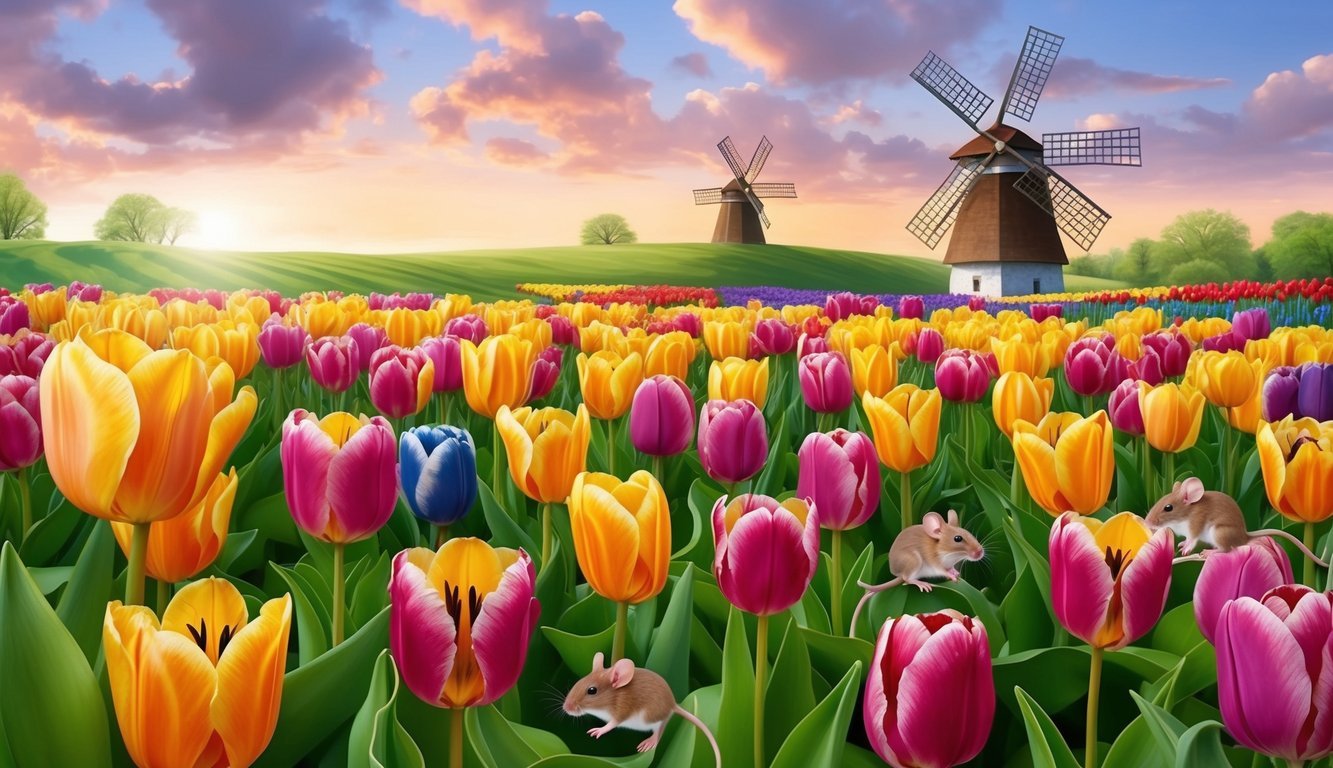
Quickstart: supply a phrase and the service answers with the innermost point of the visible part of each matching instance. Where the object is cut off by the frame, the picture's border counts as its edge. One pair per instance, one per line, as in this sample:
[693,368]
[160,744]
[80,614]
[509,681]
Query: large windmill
[740,214]
[1003,198]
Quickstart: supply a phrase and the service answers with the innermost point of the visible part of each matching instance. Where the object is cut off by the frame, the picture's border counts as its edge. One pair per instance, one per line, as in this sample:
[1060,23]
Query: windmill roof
[982,146]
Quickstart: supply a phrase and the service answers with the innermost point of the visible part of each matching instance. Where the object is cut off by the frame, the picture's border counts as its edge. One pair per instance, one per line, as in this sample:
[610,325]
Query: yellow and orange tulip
[607,382]
[622,534]
[179,548]
[737,379]
[906,426]
[727,339]
[1227,379]
[1296,456]
[875,369]
[497,373]
[1019,396]
[547,448]
[1067,460]
[670,354]
[1172,415]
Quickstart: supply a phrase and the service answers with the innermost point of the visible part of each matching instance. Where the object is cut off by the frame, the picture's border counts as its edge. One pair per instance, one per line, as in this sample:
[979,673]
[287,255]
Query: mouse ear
[953,517]
[932,522]
[621,673]
[1191,490]
[597,661]
[1176,488]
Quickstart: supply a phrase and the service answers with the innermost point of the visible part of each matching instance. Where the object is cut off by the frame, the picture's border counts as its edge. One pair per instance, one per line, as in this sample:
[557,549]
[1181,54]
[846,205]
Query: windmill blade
[774,189]
[958,94]
[757,161]
[707,196]
[1030,73]
[732,157]
[1077,216]
[941,208]
[758,207]
[1117,146]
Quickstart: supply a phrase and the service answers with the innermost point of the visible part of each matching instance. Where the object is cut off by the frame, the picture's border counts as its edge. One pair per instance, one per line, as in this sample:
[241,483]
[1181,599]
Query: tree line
[135,218]
[1212,246]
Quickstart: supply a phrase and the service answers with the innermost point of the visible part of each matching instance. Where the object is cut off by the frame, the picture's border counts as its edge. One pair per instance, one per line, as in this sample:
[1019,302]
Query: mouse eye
[958,539]
[1167,508]
[592,690]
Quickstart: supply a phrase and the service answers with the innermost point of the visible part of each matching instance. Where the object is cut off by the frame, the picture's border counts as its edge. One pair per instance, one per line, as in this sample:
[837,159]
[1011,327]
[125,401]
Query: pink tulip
[929,345]
[930,695]
[546,372]
[332,362]
[369,340]
[20,423]
[1173,347]
[1275,672]
[1147,368]
[1093,366]
[446,354]
[765,551]
[772,336]
[1224,342]
[25,354]
[733,440]
[826,382]
[912,307]
[470,327]
[1246,571]
[1040,312]
[81,291]
[1108,588]
[976,303]
[400,380]
[840,306]
[13,315]
[689,323]
[1123,408]
[661,416]
[563,331]
[1251,324]
[810,345]
[282,345]
[339,474]
[963,376]
[840,475]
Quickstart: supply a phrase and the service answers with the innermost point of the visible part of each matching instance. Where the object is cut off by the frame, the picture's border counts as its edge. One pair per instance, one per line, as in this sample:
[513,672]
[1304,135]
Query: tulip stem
[1088,405]
[622,627]
[835,583]
[138,554]
[1148,480]
[1226,456]
[659,470]
[1094,697]
[441,535]
[444,408]
[1016,486]
[546,534]
[495,458]
[760,672]
[1308,569]
[905,500]
[456,737]
[611,446]
[1168,471]
[163,596]
[1295,764]
[338,589]
[25,503]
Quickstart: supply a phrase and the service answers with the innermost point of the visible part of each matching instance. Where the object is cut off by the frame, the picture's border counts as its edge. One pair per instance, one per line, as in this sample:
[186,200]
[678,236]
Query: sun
[216,229]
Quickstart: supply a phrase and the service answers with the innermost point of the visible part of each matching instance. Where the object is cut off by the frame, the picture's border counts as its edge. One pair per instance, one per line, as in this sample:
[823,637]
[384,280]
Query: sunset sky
[399,125]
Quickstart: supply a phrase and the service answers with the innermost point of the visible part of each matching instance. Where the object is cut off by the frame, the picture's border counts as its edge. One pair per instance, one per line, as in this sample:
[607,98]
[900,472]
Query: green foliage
[1138,266]
[22,215]
[1302,245]
[139,218]
[1199,271]
[1209,236]
[607,229]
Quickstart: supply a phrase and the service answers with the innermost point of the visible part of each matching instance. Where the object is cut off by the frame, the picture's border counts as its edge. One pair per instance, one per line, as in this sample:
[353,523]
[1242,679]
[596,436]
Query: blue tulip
[437,471]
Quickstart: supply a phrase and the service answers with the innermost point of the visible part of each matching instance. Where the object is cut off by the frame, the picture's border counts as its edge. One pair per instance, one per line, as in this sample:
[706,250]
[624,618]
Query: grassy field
[485,275]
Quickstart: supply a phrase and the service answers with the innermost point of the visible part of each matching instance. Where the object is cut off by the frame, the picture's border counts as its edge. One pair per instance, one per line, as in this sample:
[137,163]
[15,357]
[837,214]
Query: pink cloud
[1073,77]
[857,112]
[835,40]
[694,63]
[1290,105]
[517,152]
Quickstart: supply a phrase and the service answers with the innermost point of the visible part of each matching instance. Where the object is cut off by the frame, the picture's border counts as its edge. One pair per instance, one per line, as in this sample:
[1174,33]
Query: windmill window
[976,283]
[1036,285]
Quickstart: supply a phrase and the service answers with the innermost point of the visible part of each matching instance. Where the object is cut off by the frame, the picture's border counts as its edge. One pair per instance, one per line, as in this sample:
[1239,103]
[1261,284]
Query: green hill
[485,275]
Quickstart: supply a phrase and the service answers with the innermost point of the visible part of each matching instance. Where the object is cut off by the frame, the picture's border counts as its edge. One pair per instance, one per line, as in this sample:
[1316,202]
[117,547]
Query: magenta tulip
[369,339]
[24,354]
[1040,312]
[930,695]
[963,376]
[332,362]
[840,476]
[400,380]
[733,440]
[1251,324]
[911,307]
[1274,676]
[13,315]
[1123,408]
[689,323]
[546,372]
[339,474]
[1174,349]
[1224,342]
[840,306]
[766,551]
[282,345]
[1246,571]
[470,327]
[20,423]
[661,416]
[976,303]
[1147,368]
[563,331]
[810,345]
[929,345]
[1093,366]
[446,354]
[826,382]
[772,336]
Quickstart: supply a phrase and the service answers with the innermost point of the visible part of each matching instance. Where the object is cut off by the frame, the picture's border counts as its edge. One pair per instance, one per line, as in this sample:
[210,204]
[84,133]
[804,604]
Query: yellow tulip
[239,346]
[622,534]
[1296,456]
[547,448]
[323,318]
[204,686]
[1246,416]
[906,425]
[607,382]
[1019,396]
[737,379]
[1226,379]
[200,339]
[727,339]
[1067,460]
[45,309]
[670,354]
[875,369]
[179,548]
[536,330]
[1171,416]
[497,373]
[1017,355]
[135,435]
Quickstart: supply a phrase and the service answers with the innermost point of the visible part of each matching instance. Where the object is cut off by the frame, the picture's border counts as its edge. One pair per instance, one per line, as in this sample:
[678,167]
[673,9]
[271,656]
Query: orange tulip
[497,373]
[1067,460]
[179,548]
[1018,396]
[547,448]
[737,379]
[607,382]
[1227,379]
[906,425]
[622,534]
[875,369]
[1296,456]
[1171,416]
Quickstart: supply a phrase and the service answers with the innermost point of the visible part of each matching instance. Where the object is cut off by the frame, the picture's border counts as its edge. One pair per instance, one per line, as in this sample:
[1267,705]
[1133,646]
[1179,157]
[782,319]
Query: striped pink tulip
[20,423]
[930,696]
[826,382]
[447,355]
[766,551]
[840,475]
[339,474]
[401,380]
[332,362]
[1275,672]
[1246,571]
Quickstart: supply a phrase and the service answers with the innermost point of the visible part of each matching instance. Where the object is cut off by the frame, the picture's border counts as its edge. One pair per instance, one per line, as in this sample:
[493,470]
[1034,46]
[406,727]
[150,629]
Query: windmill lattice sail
[741,217]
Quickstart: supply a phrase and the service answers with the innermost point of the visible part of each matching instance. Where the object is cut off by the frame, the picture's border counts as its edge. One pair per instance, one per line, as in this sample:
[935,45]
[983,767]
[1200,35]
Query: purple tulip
[772,336]
[1224,342]
[826,382]
[13,315]
[546,372]
[282,345]
[929,345]
[1124,410]
[369,340]
[840,475]
[911,307]
[733,440]
[1174,349]
[661,417]
[470,327]
[1316,391]
[400,380]
[332,362]
[765,551]
[1281,394]
[447,355]
[563,331]
[963,376]
[1274,685]
[25,354]
[1246,571]
[1251,324]
[20,423]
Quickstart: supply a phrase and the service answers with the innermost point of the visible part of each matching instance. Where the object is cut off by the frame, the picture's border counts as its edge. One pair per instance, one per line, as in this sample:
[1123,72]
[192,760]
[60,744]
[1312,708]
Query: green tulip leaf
[1049,749]
[735,727]
[818,740]
[239,554]
[1201,745]
[52,534]
[50,579]
[669,654]
[832,656]
[312,637]
[377,739]
[1164,727]
[370,594]
[577,650]
[1135,747]
[499,743]
[790,695]
[82,606]
[504,531]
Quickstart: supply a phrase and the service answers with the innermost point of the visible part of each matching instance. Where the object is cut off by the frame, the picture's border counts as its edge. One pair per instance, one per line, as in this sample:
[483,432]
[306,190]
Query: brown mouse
[933,549]
[626,697]
[1210,517]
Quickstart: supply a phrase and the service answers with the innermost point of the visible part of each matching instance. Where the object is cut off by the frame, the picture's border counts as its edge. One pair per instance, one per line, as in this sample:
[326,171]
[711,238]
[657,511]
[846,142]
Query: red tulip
[1246,571]
[766,551]
[840,476]
[826,382]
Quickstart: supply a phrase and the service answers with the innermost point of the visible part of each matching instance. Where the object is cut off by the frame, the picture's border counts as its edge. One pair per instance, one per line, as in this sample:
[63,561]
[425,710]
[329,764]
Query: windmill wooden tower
[738,218]
[1002,198]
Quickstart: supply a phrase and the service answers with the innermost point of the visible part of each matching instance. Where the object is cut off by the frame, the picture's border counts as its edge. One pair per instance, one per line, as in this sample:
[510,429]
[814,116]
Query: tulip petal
[768,561]
[1081,582]
[881,682]
[362,483]
[1144,584]
[1264,697]
[1246,571]
[306,454]
[606,539]
[224,432]
[1037,460]
[207,611]
[503,628]
[422,634]
[957,661]
[1084,459]
[250,676]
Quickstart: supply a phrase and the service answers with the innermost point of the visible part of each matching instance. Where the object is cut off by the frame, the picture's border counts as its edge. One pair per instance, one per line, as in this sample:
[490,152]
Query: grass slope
[485,275]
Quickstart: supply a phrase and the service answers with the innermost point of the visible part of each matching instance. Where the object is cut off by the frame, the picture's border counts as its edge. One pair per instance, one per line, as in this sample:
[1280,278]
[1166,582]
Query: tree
[607,229]
[22,215]
[1302,245]
[1208,236]
[1199,271]
[1138,267]
[132,218]
[176,222]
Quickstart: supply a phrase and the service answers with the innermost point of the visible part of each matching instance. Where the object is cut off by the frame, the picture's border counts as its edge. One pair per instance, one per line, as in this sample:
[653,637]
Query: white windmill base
[1006,278]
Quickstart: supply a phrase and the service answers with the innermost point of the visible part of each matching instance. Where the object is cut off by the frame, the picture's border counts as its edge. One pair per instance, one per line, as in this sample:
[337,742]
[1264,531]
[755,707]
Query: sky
[405,125]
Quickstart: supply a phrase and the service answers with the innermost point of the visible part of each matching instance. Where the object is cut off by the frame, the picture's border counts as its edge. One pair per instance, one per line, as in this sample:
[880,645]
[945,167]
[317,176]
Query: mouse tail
[697,723]
[1289,537]
[870,589]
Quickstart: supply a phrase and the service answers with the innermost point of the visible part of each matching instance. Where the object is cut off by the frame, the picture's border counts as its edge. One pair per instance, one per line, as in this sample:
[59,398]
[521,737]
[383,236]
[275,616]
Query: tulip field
[261,528]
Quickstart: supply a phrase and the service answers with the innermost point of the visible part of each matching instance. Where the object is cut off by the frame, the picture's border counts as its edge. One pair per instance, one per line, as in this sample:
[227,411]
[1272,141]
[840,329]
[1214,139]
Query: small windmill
[1003,198]
[738,219]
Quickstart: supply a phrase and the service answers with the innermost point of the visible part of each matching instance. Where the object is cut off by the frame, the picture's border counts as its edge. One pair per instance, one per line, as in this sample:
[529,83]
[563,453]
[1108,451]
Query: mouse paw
[953,574]
[648,744]
[598,733]
[924,586]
